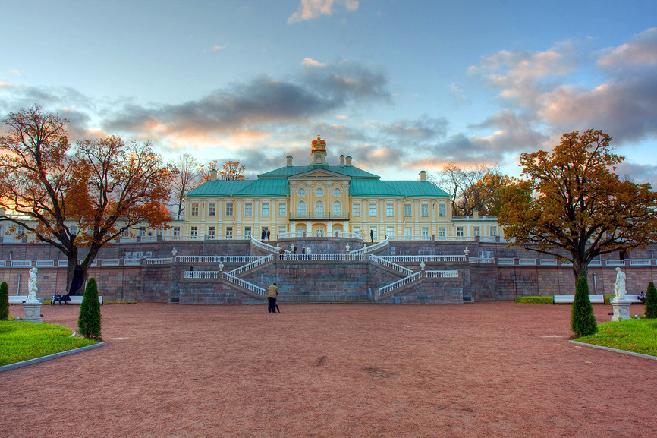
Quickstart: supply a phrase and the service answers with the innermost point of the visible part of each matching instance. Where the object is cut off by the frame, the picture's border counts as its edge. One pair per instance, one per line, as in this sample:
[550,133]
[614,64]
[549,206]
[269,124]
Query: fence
[383,262]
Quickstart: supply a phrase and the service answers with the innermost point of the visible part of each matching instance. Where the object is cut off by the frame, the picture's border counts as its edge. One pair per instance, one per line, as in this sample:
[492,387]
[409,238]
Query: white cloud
[641,51]
[312,9]
[311,62]
[216,48]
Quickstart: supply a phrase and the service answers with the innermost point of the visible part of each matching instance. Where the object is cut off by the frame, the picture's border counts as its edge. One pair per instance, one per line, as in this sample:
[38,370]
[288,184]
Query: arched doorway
[300,230]
[319,230]
[337,230]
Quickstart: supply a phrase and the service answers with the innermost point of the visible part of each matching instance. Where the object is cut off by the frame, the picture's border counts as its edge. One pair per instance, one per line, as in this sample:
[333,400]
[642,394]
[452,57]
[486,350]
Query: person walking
[272,293]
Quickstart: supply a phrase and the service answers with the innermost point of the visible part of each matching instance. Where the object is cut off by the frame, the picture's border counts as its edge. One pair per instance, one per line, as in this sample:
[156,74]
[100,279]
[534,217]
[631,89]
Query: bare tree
[458,182]
[188,174]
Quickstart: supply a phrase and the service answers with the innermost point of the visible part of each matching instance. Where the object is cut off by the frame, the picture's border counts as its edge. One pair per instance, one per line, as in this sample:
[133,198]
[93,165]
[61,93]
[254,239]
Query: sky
[402,86]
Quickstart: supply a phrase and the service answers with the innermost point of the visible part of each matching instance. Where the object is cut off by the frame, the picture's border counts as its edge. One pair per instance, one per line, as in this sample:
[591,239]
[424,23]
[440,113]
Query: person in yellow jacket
[272,293]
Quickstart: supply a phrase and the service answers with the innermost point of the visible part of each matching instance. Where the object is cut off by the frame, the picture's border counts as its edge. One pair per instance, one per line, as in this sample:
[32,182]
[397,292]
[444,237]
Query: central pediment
[319,173]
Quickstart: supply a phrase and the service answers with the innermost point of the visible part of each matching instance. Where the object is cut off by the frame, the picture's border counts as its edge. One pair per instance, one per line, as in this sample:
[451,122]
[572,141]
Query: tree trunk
[72,257]
[77,282]
[580,268]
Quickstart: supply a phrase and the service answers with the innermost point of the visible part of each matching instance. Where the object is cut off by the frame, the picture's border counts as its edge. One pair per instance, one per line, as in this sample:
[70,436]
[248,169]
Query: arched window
[319,191]
[319,209]
[336,192]
[337,208]
[301,209]
[301,192]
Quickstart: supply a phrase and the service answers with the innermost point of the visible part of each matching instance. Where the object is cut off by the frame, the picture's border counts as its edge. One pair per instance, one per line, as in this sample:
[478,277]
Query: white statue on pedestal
[619,287]
[32,287]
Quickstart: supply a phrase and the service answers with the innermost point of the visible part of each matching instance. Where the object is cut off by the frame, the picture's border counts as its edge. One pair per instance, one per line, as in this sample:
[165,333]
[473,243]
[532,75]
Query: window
[390,232]
[176,232]
[282,209]
[211,233]
[193,232]
[425,232]
[372,209]
[442,232]
[425,210]
[355,209]
[195,209]
[142,231]
[247,232]
[475,231]
[229,232]
[301,192]
[229,208]
[319,209]
[212,209]
[442,209]
[301,209]
[390,209]
[357,230]
[459,232]
[265,209]
[408,210]
[248,209]
[493,230]
[282,229]
[337,208]
[319,191]
[408,233]
[336,192]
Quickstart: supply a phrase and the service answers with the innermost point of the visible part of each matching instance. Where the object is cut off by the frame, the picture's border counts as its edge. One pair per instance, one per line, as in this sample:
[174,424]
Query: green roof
[287,171]
[249,187]
[410,189]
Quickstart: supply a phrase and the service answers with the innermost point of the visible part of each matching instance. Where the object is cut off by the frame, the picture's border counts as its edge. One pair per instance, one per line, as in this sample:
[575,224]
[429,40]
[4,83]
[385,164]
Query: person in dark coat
[372,235]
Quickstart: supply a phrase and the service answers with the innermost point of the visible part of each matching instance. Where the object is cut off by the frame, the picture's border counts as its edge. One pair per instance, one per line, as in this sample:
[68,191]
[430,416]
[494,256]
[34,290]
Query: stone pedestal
[32,312]
[621,310]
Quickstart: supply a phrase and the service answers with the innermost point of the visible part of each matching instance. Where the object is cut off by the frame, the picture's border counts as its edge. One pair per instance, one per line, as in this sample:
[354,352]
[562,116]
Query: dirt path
[326,370]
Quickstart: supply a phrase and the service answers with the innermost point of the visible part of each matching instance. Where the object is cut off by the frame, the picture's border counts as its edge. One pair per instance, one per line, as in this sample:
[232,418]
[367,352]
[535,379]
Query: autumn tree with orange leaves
[81,196]
[572,199]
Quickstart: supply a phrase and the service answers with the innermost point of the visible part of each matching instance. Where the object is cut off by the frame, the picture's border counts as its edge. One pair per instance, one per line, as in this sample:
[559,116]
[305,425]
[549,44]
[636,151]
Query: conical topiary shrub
[89,320]
[4,301]
[651,301]
[582,318]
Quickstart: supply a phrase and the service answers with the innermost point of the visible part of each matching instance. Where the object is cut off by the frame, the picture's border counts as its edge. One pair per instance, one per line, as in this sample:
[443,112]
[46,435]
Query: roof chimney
[341,160]
[348,158]
[289,160]
[423,175]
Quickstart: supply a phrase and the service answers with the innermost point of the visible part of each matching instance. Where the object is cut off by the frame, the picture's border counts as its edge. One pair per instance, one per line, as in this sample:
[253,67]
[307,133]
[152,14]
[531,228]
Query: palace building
[322,199]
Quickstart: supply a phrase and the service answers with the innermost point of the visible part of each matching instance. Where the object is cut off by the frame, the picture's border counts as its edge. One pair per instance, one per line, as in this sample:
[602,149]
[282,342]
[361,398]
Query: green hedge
[535,299]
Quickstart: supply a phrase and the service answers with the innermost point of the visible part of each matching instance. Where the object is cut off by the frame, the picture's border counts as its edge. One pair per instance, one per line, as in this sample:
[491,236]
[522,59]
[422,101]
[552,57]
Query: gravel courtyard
[332,370]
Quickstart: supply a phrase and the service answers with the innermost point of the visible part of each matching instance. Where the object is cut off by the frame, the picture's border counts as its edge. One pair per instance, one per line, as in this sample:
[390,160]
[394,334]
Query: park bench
[568,299]
[70,299]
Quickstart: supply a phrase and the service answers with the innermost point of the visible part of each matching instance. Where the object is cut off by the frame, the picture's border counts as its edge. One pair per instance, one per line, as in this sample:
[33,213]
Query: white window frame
[390,209]
[282,209]
[442,209]
[265,209]
[194,209]
[248,209]
[424,209]
[212,209]
[229,208]
[229,232]
[337,208]
[371,209]
[193,232]
[355,209]
[212,232]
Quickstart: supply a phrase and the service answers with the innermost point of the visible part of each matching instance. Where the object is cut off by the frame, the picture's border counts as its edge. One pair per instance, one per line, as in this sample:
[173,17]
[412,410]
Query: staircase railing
[383,262]
[217,275]
[369,249]
[416,276]
[254,264]
[264,246]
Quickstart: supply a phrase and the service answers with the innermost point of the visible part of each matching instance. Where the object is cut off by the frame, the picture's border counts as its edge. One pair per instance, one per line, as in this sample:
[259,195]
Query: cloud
[310,62]
[312,9]
[641,51]
[216,48]
[421,129]
[639,173]
[253,106]
[544,87]
[458,95]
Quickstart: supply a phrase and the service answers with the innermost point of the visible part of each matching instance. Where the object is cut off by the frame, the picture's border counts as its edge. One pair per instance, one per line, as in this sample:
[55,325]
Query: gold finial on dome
[318,145]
